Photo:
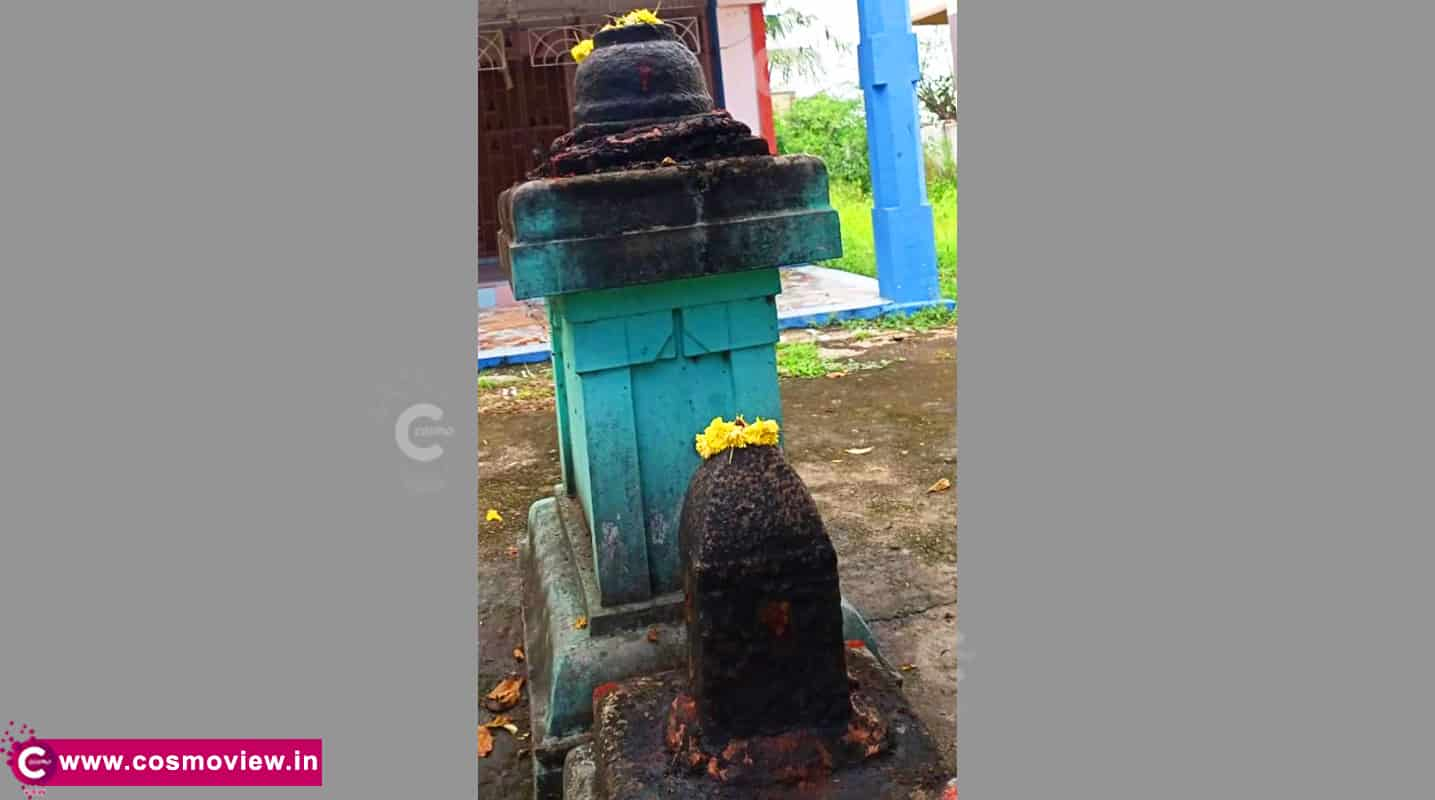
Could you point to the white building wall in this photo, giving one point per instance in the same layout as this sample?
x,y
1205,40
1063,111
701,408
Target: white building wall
x,y
739,74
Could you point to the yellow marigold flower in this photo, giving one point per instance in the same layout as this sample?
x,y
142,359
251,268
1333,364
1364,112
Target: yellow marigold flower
x,y
762,433
493,516
722,435
640,17
582,50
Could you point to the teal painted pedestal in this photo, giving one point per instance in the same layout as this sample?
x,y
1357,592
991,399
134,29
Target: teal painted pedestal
x,y
644,369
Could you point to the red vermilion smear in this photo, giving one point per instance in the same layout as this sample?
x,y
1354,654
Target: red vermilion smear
x,y
856,644
603,690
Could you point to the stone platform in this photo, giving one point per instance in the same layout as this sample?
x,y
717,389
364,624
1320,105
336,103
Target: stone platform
x,y
516,331
574,645
633,756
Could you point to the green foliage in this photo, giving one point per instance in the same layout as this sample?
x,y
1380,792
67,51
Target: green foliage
x,y
859,254
801,360
941,166
801,60
831,129
924,320
938,96
805,360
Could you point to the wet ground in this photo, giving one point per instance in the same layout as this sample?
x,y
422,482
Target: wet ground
x,y
896,541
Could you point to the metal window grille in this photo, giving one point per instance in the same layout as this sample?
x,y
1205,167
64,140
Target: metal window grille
x,y
551,47
492,52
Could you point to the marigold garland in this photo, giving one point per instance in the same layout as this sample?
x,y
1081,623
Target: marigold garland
x,y
641,16
722,435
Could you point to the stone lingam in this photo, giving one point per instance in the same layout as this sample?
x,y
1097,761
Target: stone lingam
x,y
773,703
653,231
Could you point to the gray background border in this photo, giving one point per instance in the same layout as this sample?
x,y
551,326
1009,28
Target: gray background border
x,y
236,241
1196,400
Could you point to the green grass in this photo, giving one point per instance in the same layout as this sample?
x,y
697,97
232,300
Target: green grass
x,y
854,207
924,320
801,360
805,360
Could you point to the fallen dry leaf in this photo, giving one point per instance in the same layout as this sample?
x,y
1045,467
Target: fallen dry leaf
x,y
505,695
580,624
860,451
836,374
502,722
513,552
940,486
907,667
669,162
653,635
485,742
518,654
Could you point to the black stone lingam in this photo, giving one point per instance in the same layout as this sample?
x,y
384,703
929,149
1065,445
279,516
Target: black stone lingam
x,y
638,73
764,609
642,101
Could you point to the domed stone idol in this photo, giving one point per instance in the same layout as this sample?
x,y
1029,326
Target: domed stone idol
x,y
638,74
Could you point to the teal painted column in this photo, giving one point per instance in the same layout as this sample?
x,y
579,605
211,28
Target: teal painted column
x,y
644,369
902,225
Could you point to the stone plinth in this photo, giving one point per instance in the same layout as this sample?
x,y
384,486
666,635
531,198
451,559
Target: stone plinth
x,y
567,664
637,226
629,758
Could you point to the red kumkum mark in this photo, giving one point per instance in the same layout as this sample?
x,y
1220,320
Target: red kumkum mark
x,y
777,616
603,690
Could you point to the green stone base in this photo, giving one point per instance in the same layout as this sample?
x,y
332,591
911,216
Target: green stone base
x,y
566,663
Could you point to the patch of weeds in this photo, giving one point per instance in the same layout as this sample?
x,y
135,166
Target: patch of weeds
x,y
801,360
805,360
859,366
925,320
520,388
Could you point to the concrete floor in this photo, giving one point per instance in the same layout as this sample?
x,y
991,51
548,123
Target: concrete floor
x,y
896,543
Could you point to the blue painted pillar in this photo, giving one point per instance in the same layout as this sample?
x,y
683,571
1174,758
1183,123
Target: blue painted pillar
x,y
901,217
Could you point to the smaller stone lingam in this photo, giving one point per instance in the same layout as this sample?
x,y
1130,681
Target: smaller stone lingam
x,y
773,702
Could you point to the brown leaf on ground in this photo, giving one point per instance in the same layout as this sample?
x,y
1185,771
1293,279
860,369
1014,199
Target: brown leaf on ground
x,y
836,374
502,721
860,451
518,654
940,486
513,552
505,695
580,624
485,742
653,635
907,667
